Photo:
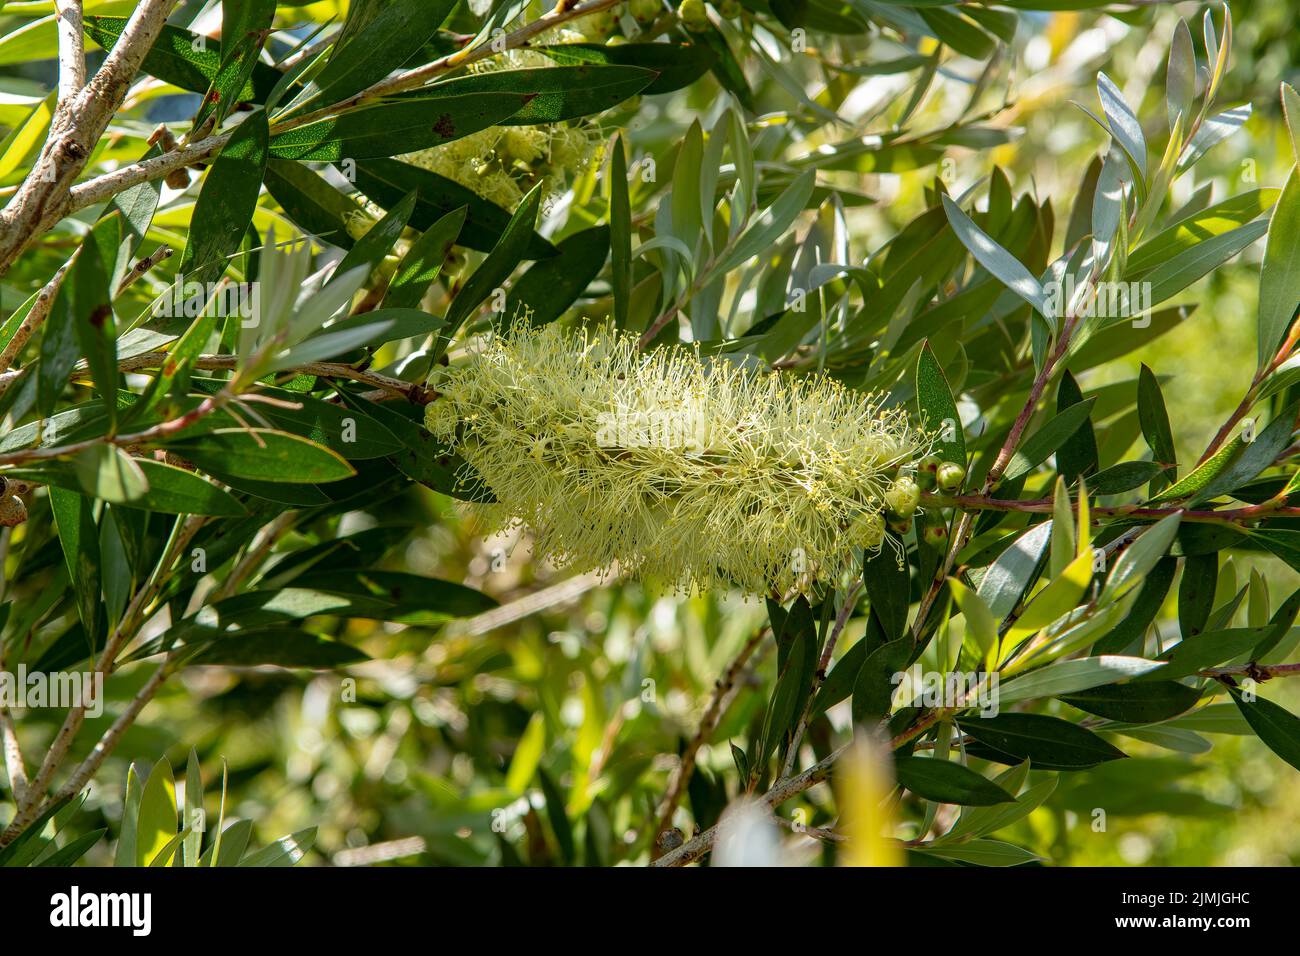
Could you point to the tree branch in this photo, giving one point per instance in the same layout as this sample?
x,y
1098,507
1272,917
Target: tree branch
x,y
72,50
724,692
43,198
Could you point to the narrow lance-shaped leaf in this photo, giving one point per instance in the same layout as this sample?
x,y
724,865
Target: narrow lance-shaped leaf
x,y
1009,270
1279,277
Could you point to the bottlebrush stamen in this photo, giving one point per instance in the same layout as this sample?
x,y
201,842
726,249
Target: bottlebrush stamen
x,y
688,471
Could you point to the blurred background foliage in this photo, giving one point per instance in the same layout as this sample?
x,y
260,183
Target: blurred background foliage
x,y
412,757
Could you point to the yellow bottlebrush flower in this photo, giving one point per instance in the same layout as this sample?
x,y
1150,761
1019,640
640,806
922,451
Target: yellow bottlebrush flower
x,y
502,163
689,471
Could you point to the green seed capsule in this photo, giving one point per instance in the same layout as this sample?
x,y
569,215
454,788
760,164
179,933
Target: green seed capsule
x,y
950,476
935,535
693,14
645,11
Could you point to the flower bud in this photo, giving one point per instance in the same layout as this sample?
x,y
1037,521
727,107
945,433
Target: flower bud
x,y
693,15
935,535
950,475
902,497
645,11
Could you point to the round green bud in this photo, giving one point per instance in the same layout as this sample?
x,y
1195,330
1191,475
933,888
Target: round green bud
x,y
729,9
935,534
950,475
693,14
645,11
599,26
902,497
900,525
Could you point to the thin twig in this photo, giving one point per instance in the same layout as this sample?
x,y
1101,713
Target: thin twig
x,y
819,678
36,315
724,692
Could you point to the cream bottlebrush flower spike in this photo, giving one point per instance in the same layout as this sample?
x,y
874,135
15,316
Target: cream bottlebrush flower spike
x,y
688,472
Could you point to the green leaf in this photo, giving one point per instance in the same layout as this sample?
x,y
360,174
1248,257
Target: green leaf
x,y
980,625
1124,125
1049,742
783,710
378,240
1176,274
311,202
387,181
183,58
90,281
1066,677
395,126
1005,267
983,852
1133,628
193,818
1180,75
551,286
1123,477
676,64
262,454
553,94
1277,727
226,202
74,850
125,854
1185,233
1201,476
947,782
285,851
770,224
1007,578
1140,558
555,813
959,33
1291,110
1196,592
1077,456
392,37
885,577
1279,277
108,473
74,519
937,408
1142,703
1256,455
1040,446
620,230
496,268
527,755
27,845
1154,418
413,597
155,826
176,491
423,261
276,646
233,76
